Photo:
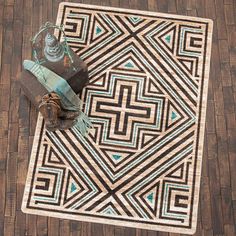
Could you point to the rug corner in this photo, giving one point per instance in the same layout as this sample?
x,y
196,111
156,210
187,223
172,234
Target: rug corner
x,y
61,5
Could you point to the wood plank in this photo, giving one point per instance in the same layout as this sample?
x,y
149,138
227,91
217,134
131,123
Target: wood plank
x,y
228,1
230,121
129,231
49,10
211,85
3,155
4,125
123,3
224,50
172,8
234,211
200,7
64,227
199,230
33,119
216,76
42,227
229,14
220,20
115,3
214,176
8,15
181,7
5,87
208,232
210,118
119,231
227,207
1,11
222,151
159,233
229,230
1,39
105,2
231,140
2,199
210,9
108,230
190,5
153,233
53,226
152,5
9,226
55,9
15,88
219,101
233,78
20,227
18,8
205,204
9,2
11,175
162,5
7,222
14,101
142,5
232,159
226,74
13,138
225,63
86,229
232,44
205,172
31,223
217,220
141,232
211,145
228,99
75,228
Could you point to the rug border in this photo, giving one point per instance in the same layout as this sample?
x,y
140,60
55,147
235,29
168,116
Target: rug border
x,y
192,230
202,125
135,11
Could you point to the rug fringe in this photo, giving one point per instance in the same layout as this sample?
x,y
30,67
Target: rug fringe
x,y
83,124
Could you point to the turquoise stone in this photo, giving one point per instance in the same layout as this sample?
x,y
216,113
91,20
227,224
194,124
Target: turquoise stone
x,y
150,197
168,38
173,116
73,188
98,30
129,65
116,157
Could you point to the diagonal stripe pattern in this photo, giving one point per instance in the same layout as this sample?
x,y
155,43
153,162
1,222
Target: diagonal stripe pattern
x,y
141,164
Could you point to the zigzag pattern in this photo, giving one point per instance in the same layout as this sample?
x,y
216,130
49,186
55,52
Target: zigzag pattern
x,y
141,163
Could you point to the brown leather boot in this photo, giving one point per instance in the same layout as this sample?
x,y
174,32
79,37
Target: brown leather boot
x,y
56,118
50,108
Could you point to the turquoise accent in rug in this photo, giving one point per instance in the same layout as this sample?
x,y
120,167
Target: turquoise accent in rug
x,y
140,165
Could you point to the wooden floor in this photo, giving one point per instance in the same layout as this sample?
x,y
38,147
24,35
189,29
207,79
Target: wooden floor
x,y
19,19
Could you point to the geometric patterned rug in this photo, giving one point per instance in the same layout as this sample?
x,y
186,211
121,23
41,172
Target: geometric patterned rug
x,y
141,164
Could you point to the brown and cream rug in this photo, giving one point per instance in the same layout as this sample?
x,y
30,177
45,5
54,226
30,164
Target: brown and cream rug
x,y
141,165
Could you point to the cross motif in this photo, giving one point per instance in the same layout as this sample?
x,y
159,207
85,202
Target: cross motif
x,y
123,109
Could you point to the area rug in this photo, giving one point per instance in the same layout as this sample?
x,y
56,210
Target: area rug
x,y
141,164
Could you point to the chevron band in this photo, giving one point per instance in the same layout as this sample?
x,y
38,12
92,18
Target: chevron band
x,y
141,164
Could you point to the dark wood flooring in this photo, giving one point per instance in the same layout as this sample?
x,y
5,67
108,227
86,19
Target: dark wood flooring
x,y
19,19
